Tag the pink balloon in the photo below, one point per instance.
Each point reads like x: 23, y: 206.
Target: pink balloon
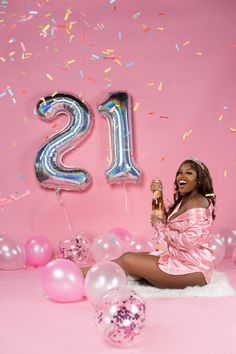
x: 62, y: 281
x: 38, y: 250
x: 102, y: 277
x: 124, y: 235
x: 218, y: 247
x: 12, y: 254
x: 107, y: 247
x: 141, y: 245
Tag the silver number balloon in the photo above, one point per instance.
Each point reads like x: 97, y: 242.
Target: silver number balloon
x: 117, y: 109
x: 49, y: 169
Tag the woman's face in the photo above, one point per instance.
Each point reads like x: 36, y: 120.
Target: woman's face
x: 186, y: 179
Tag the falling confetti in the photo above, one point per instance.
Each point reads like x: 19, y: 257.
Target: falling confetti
x: 131, y: 63
x: 136, y: 106
x: 160, y: 86
x: 136, y: 15
x: 68, y: 13
x: 72, y: 61
x: 177, y: 47
x: 107, y: 70
x: 210, y: 195
x: 49, y: 77
x: 146, y: 28
x: 186, y: 134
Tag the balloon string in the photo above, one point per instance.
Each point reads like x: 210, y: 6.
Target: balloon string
x: 64, y: 209
x: 126, y: 199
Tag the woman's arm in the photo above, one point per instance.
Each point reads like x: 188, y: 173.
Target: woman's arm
x: 184, y: 233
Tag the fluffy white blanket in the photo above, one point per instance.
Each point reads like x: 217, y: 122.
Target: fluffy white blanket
x: 218, y: 287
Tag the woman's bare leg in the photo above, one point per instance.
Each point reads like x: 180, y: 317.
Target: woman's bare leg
x: 144, y: 266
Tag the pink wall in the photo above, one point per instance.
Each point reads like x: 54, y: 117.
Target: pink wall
x: 176, y: 59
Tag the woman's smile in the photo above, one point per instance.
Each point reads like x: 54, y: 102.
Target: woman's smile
x: 186, y: 179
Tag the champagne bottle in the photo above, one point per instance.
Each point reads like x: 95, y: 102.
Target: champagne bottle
x: 157, y: 198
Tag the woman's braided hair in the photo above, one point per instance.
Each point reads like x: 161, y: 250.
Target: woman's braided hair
x: 205, y: 186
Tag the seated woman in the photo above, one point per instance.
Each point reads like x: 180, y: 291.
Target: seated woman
x: 187, y: 259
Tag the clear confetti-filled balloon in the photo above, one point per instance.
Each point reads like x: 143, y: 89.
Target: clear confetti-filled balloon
x: 77, y: 250
x: 120, y: 315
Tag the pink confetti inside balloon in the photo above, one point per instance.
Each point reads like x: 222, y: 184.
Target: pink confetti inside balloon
x: 76, y: 250
x: 120, y: 314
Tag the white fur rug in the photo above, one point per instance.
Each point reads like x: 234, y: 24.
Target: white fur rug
x: 217, y: 288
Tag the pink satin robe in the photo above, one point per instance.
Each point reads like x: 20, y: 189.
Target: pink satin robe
x: 187, y: 240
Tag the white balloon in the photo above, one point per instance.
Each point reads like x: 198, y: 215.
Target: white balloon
x: 141, y: 245
x: 107, y: 247
x: 102, y: 277
x: 229, y: 238
x: 218, y: 247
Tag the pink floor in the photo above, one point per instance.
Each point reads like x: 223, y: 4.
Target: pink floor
x: 31, y: 324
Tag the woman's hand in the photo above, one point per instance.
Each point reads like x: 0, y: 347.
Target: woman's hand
x: 156, y: 185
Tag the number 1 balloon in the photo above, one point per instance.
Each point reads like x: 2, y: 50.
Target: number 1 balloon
x: 49, y: 168
x: 117, y: 109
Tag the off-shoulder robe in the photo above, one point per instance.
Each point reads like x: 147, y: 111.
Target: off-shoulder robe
x: 188, y: 241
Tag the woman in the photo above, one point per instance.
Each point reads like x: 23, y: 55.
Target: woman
x: 188, y: 259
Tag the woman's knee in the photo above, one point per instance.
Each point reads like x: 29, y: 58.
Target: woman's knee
x: 126, y: 260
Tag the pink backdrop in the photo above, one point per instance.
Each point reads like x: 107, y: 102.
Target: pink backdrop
x: 177, y: 61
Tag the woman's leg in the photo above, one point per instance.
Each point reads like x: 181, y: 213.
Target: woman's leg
x: 144, y: 266
x: 118, y: 261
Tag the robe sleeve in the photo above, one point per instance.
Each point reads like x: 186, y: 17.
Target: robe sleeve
x: 186, y: 232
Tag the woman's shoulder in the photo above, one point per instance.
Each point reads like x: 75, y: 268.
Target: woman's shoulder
x: 196, y: 208
x: 198, y: 201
